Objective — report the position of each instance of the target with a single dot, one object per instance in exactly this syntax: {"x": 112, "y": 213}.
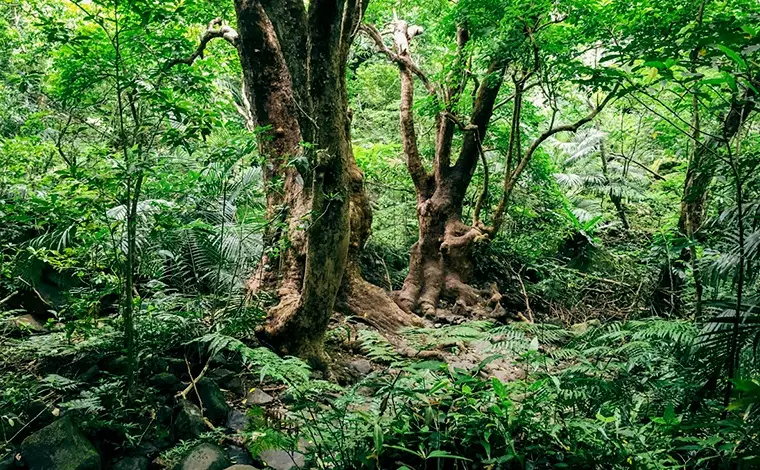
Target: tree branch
{"x": 510, "y": 179}
{"x": 401, "y": 59}
{"x": 402, "y": 34}
{"x": 481, "y": 116}
{"x": 216, "y": 29}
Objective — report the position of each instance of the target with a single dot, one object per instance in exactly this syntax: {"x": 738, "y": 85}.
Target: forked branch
{"x": 402, "y": 58}
{"x": 216, "y": 29}
{"x": 510, "y": 178}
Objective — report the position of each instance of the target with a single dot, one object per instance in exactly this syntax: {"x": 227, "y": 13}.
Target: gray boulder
{"x": 228, "y": 380}
{"x": 241, "y": 467}
{"x": 258, "y": 397}
{"x": 239, "y": 455}
{"x": 59, "y": 446}
{"x": 282, "y": 460}
{"x": 204, "y": 457}
{"x": 237, "y": 420}
{"x": 360, "y": 367}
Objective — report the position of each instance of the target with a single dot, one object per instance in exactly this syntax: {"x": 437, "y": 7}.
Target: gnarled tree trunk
{"x": 440, "y": 264}
{"x": 294, "y": 63}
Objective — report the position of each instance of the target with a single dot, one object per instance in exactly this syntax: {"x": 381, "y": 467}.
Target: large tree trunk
{"x": 357, "y": 297}
{"x": 294, "y": 65}
{"x": 440, "y": 262}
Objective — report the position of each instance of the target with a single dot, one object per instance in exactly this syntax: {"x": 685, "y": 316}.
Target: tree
{"x": 294, "y": 59}
{"x": 703, "y": 56}
{"x": 440, "y": 261}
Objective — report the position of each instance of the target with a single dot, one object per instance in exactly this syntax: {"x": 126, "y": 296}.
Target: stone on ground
{"x": 189, "y": 422}
{"x": 60, "y": 446}
{"x": 282, "y": 460}
{"x": 258, "y": 397}
{"x": 239, "y": 455}
{"x": 205, "y": 457}
{"x": 237, "y": 420}
{"x": 360, "y": 367}
{"x": 215, "y": 408}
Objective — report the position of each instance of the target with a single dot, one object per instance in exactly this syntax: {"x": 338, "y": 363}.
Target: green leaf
{"x": 733, "y": 55}
{"x": 442, "y": 454}
{"x": 499, "y": 388}
{"x": 378, "y": 438}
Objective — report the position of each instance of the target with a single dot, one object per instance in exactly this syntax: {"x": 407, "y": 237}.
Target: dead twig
{"x": 194, "y": 381}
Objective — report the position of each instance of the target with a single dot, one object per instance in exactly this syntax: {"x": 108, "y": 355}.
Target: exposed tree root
{"x": 373, "y": 305}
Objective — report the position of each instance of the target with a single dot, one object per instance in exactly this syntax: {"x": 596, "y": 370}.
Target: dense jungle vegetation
{"x": 390, "y": 234}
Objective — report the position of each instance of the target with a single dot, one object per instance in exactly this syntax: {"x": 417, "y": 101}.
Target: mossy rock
{"x": 189, "y": 422}
{"x": 60, "y": 446}
{"x": 215, "y": 408}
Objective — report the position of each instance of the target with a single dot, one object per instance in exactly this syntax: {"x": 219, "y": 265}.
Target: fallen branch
{"x": 194, "y": 381}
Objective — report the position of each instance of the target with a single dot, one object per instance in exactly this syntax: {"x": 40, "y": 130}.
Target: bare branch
{"x": 510, "y": 178}
{"x": 216, "y": 29}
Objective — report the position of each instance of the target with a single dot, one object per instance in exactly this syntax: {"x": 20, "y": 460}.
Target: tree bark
{"x": 294, "y": 64}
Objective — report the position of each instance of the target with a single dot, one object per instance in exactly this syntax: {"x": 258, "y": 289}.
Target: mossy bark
{"x": 294, "y": 63}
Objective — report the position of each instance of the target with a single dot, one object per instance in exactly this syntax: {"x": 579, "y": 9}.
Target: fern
{"x": 376, "y": 347}
{"x": 289, "y": 370}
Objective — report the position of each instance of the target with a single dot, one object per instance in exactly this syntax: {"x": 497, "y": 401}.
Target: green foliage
{"x": 88, "y": 107}
{"x": 618, "y": 396}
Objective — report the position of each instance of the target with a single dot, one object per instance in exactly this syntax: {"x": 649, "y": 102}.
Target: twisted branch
{"x": 216, "y": 29}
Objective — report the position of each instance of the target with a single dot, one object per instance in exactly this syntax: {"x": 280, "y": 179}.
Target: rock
{"x": 189, "y": 423}
{"x": 215, "y": 408}
{"x": 59, "y": 446}
{"x": 219, "y": 361}
{"x": 152, "y": 448}
{"x": 164, "y": 414}
{"x": 241, "y": 467}
{"x": 228, "y": 380}
{"x": 89, "y": 374}
{"x": 176, "y": 366}
{"x": 118, "y": 365}
{"x": 204, "y": 457}
{"x": 360, "y": 367}
{"x": 237, "y": 421}
{"x": 27, "y": 324}
{"x": 235, "y": 385}
{"x": 132, "y": 463}
{"x": 282, "y": 460}
{"x": 164, "y": 381}
{"x": 239, "y": 455}
{"x": 258, "y": 397}
{"x": 220, "y": 375}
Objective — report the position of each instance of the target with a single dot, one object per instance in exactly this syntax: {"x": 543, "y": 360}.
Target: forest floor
{"x": 188, "y": 399}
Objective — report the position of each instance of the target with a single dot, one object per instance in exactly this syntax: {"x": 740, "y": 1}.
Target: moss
{"x": 60, "y": 446}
